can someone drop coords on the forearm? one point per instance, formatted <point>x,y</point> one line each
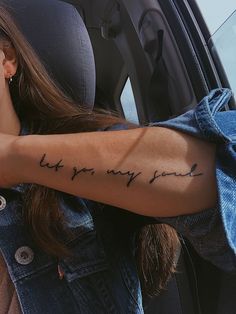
<point>150,171</point>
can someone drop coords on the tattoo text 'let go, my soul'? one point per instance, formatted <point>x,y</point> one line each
<point>129,174</point>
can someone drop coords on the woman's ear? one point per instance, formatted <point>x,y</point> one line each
<point>10,63</point>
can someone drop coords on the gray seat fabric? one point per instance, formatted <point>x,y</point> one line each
<point>57,33</point>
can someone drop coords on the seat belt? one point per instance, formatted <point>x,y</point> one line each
<point>152,40</point>
<point>158,92</point>
<point>179,296</point>
<point>186,279</point>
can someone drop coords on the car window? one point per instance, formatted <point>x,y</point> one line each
<point>220,18</point>
<point>216,13</point>
<point>128,103</point>
<point>224,47</point>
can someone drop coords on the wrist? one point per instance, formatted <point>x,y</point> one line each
<point>19,160</point>
<point>9,174</point>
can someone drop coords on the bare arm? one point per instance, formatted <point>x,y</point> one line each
<point>151,171</point>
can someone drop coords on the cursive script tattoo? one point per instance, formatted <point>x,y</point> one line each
<point>56,166</point>
<point>77,171</point>
<point>190,173</point>
<point>132,175</point>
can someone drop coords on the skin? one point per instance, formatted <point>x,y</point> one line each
<point>9,122</point>
<point>150,171</point>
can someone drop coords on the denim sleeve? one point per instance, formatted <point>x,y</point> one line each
<point>212,232</point>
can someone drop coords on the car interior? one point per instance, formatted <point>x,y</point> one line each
<point>145,60</point>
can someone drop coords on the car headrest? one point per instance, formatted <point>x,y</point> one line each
<point>58,35</point>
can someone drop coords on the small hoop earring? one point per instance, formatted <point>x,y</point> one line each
<point>10,80</point>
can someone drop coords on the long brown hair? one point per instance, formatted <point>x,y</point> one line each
<point>44,109</point>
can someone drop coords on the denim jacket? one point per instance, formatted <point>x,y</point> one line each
<point>101,275</point>
<point>213,232</point>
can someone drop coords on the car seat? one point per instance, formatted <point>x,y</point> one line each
<point>58,35</point>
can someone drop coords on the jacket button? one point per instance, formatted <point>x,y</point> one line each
<point>24,255</point>
<point>3,203</point>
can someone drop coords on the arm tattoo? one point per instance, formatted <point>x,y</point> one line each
<point>77,171</point>
<point>56,166</point>
<point>132,175</point>
<point>190,173</point>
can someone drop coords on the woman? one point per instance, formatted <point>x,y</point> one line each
<point>66,254</point>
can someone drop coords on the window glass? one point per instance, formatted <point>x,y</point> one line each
<point>224,41</point>
<point>220,17</point>
<point>216,12</point>
<point>128,103</point>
